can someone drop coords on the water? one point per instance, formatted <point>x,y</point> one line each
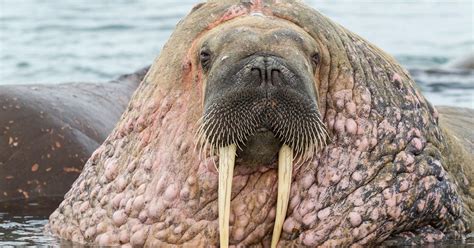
<point>54,41</point>
<point>22,223</point>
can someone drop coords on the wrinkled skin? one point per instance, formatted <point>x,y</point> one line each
<point>47,132</point>
<point>390,171</point>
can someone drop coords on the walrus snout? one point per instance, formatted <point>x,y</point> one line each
<point>262,90</point>
<point>268,70</point>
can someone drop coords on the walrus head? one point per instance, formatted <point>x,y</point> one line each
<point>266,81</point>
<point>260,96</point>
<point>259,89</point>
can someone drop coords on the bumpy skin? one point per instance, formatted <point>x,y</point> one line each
<point>385,174</point>
<point>47,132</point>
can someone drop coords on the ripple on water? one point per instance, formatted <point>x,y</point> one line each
<point>22,223</point>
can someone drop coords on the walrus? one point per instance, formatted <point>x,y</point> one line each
<point>465,62</point>
<point>47,132</point>
<point>264,123</point>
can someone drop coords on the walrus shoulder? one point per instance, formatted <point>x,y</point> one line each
<point>460,122</point>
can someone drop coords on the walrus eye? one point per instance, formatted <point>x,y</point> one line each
<point>315,59</point>
<point>205,58</point>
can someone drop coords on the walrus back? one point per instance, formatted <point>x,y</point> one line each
<point>458,124</point>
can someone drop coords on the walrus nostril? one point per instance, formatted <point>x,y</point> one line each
<point>276,77</point>
<point>257,72</point>
<point>266,73</point>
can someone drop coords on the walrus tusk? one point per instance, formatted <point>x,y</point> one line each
<point>285,167</point>
<point>226,170</point>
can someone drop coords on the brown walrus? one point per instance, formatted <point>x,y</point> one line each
<point>47,132</point>
<point>326,126</point>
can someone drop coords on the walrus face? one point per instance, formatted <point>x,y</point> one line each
<point>260,89</point>
<point>259,96</point>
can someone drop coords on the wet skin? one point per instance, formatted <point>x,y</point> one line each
<point>392,170</point>
<point>47,132</point>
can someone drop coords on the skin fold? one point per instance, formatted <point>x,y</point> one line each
<point>391,170</point>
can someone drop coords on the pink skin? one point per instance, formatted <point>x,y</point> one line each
<point>148,185</point>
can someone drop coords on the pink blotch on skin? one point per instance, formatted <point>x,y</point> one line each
<point>396,77</point>
<point>363,145</point>
<point>295,200</point>
<point>437,199</point>
<point>262,198</point>
<point>374,215</point>
<point>103,240</point>
<point>84,207</point>
<point>240,209</point>
<point>101,227</point>
<point>239,234</point>
<point>242,221</point>
<point>404,186</point>
<point>351,126</point>
<point>357,176</point>
<point>358,202</point>
<point>231,13</point>
<point>310,239</point>
<point>119,218</point>
<point>179,229</point>
<point>136,225</point>
<point>124,237</point>
<point>309,219</point>
<point>306,206</point>
<point>191,180</point>
<point>307,181</point>
<point>421,206</point>
<point>139,237</point>
<point>290,225</point>
<point>143,216</point>
<point>335,178</point>
<point>373,142</point>
<point>323,214</point>
<point>351,108</point>
<point>339,125</point>
<point>355,219</point>
<point>155,209</point>
<point>391,202</point>
<point>395,213</point>
<point>138,203</point>
<point>443,211</point>
<point>409,159</point>
<point>344,183</point>
<point>89,232</point>
<point>120,184</point>
<point>385,127</point>
<point>331,118</point>
<point>171,193</point>
<point>340,104</point>
<point>111,170</point>
<point>185,193</point>
<point>417,143</point>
